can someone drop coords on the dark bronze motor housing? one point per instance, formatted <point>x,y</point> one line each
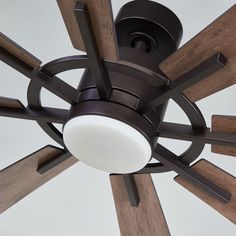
<point>147,33</point>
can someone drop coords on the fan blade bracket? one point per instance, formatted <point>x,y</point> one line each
<point>225,126</point>
<point>53,84</point>
<point>187,133</point>
<point>102,23</point>
<point>169,159</point>
<point>19,52</point>
<point>21,178</point>
<point>188,79</point>
<point>219,177</point>
<point>46,114</point>
<point>103,82</point>
<point>148,217</point>
<point>132,190</point>
<point>218,36</point>
<point>10,103</point>
<point>51,163</point>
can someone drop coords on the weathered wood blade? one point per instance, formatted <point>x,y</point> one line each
<point>148,217</point>
<point>224,124</point>
<point>28,174</point>
<point>220,36</point>
<point>102,23</point>
<point>219,177</point>
<point>19,52</point>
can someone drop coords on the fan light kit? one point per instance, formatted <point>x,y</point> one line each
<point>132,68</point>
<point>107,144</point>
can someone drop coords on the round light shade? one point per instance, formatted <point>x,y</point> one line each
<point>106,144</point>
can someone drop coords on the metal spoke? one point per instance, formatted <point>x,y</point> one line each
<point>198,73</point>
<point>152,168</point>
<point>47,166</point>
<point>19,52</point>
<point>101,76</point>
<point>53,84</point>
<point>186,132</point>
<point>10,103</point>
<point>44,114</point>
<point>26,175</point>
<point>132,190</point>
<point>171,160</point>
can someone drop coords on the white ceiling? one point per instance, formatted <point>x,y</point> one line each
<point>79,201</point>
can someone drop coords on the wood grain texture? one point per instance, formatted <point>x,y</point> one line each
<point>10,103</point>
<point>102,21</point>
<point>220,36</point>
<point>148,218</point>
<point>19,52</point>
<point>224,124</point>
<point>21,178</point>
<point>219,177</point>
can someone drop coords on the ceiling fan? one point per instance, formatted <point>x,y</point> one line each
<point>133,68</point>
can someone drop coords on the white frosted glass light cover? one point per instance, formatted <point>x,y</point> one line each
<point>106,144</point>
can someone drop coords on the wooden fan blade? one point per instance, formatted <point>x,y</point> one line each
<point>28,174</point>
<point>148,217</point>
<point>220,36</point>
<point>219,177</point>
<point>19,52</point>
<point>10,103</point>
<point>224,124</point>
<point>102,22</point>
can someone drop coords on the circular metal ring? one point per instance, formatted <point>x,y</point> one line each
<point>79,62</point>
